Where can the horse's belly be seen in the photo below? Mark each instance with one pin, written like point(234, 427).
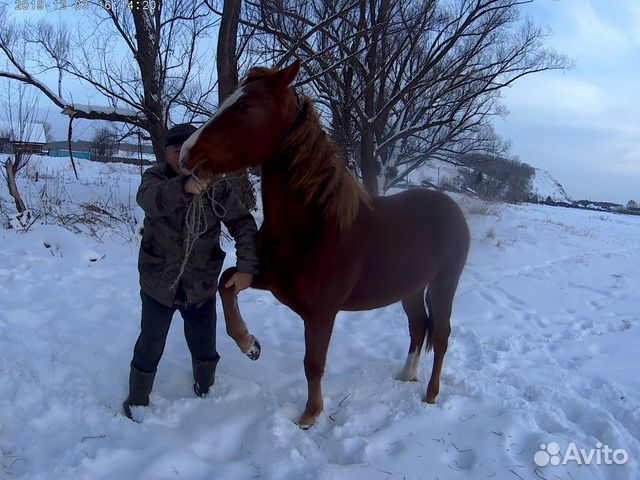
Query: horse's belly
point(384, 283)
point(395, 257)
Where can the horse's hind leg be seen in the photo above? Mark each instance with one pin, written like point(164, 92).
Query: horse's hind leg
point(418, 322)
point(440, 297)
point(236, 328)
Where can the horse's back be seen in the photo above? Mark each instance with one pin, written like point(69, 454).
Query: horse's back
point(402, 243)
point(418, 216)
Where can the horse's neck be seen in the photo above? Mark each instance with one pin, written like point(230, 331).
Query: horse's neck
point(285, 211)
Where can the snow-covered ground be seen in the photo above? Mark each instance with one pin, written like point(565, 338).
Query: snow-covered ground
point(544, 348)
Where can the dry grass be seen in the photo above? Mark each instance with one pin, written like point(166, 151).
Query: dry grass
point(50, 201)
point(491, 234)
point(617, 280)
point(583, 260)
point(478, 206)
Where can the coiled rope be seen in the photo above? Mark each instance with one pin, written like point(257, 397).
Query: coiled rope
point(195, 222)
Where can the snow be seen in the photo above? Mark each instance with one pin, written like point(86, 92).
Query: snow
point(88, 108)
point(543, 349)
point(438, 172)
point(134, 155)
point(545, 186)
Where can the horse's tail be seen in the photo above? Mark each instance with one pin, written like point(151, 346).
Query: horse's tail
point(429, 316)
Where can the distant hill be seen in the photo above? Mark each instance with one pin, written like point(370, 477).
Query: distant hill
point(444, 175)
point(544, 186)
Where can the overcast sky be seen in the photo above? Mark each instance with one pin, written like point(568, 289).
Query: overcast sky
point(583, 125)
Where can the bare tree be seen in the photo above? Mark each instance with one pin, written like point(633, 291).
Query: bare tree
point(140, 63)
point(496, 178)
point(403, 82)
point(104, 143)
point(162, 72)
point(20, 125)
point(227, 68)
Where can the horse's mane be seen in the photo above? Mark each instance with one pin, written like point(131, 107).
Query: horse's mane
point(317, 169)
point(316, 165)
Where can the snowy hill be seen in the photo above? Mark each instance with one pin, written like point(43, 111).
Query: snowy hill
point(543, 349)
point(435, 172)
point(440, 173)
point(544, 186)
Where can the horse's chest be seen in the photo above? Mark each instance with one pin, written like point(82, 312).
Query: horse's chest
point(286, 260)
point(300, 271)
point(285, 255)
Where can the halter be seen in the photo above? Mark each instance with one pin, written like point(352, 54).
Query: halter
point(298, 116)
point(192, 172)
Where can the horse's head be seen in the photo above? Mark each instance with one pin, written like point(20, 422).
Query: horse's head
point(247, 128)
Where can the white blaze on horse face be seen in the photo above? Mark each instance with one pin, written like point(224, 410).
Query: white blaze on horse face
point(410, 371)
point(190, 142)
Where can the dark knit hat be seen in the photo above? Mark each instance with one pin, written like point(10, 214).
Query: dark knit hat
point(178, 134)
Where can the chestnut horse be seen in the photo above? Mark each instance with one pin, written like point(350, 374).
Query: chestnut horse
point(325, 245)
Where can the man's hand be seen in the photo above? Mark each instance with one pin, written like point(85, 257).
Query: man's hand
point(196, 185)
point(240, 281)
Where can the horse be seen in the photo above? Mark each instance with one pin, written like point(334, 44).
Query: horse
point(325, 245)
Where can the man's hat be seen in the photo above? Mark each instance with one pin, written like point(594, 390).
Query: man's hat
point(178, 134)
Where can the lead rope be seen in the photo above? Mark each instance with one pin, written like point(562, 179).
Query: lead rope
point(195, 222)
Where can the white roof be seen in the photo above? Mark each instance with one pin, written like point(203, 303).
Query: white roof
point(35, 131)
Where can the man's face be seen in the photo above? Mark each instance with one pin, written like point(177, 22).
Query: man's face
point(173, 157)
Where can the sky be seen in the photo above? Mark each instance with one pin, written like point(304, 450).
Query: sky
point(579, 124)
point(582, 125)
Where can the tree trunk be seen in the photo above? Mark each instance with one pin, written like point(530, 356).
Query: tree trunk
point(147, 36)
point(13, 188)
point(227, 62)
point(227, 66)
point(368, 164)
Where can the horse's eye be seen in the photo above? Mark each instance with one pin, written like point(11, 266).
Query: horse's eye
point(244, 106)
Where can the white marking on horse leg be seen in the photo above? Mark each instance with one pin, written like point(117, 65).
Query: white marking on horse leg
point(190, 142)
point(409, 372)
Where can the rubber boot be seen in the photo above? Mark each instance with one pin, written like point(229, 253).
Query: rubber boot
point(204, 373)
point(140, 385)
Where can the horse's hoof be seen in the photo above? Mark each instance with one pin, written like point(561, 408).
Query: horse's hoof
point(403, 377)
point(431, 398)
point(254, 351)
point(304, 426)
point(306, 420)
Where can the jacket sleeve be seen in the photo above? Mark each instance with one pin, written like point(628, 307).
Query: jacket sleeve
point(159, 196)
point(242, 228)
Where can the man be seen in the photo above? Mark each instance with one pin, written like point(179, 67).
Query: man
point(164, 195)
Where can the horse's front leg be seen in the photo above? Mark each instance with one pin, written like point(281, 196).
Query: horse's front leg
point(317, 333)
point(236, 328)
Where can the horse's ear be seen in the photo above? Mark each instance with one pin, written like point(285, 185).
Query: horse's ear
point(286, 76)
